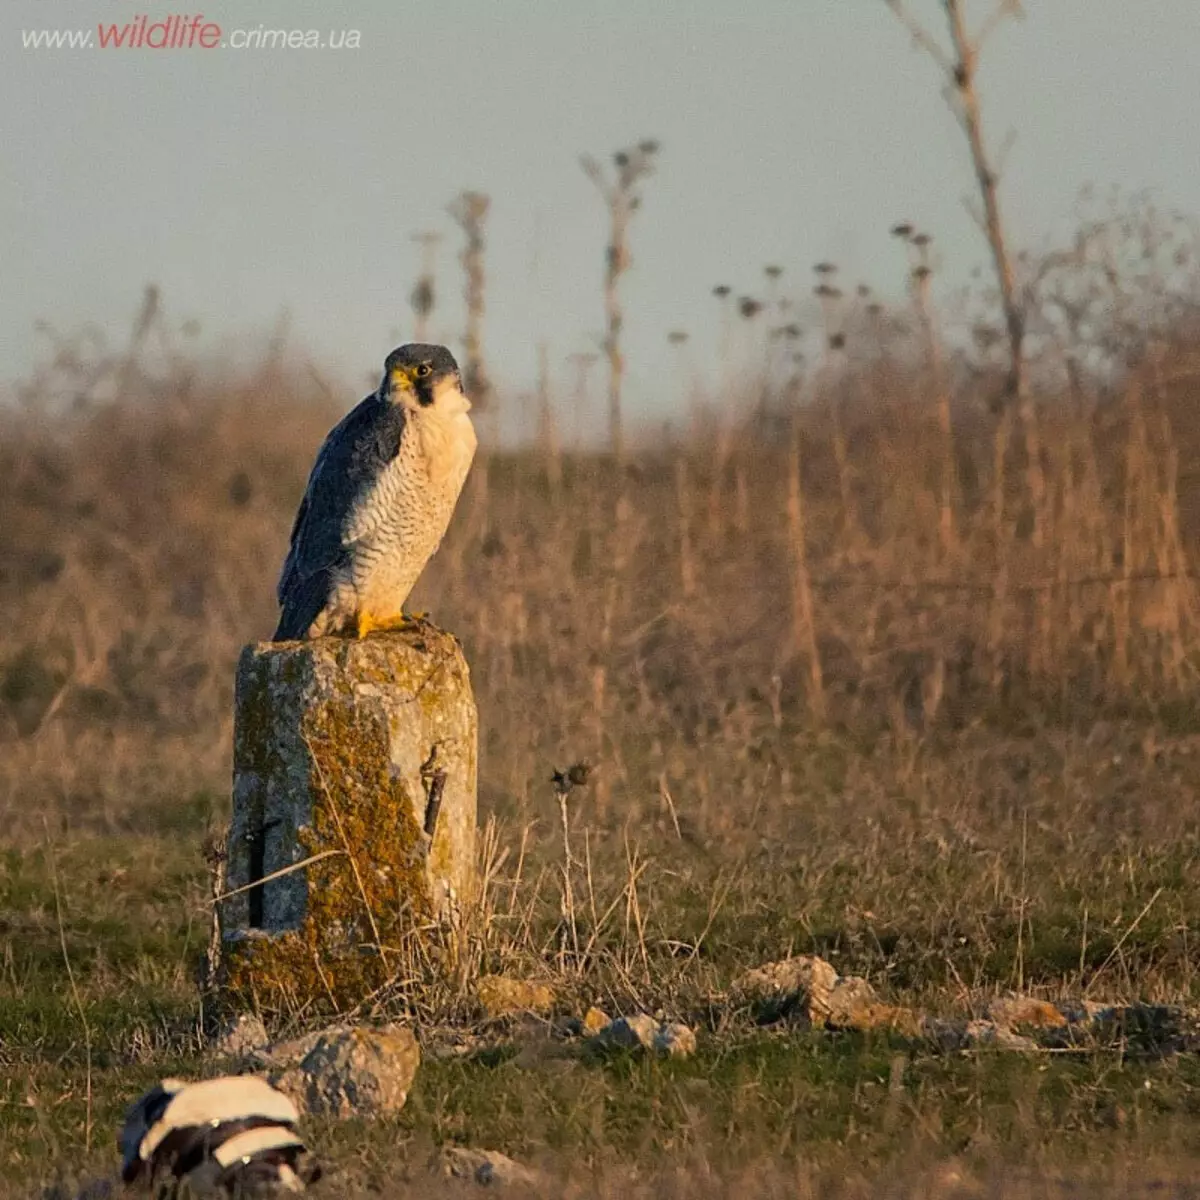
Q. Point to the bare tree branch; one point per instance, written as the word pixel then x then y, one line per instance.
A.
pixel 622 199
pixel 922 37
pixel 1002 12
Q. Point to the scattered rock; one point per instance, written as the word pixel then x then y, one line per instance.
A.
pixel 452 1044
pixel 848 997
pixel 793 986
pixel 293 1052
pixel 500 996
pixel 950 1035
pixel 486 1167
pixel 675 1041
pixel 853 1004
pixel 947 1034
pixel 643 1032
pixel 595 1021
pixel 345 1072
pixel 1025 1012
pixel 1096 1011
pixel 630 1033
pixel 988 1033
pixel 240 1037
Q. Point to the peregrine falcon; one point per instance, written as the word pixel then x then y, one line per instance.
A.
pixel 378 501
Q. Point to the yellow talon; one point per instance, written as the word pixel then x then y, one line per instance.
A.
pixel 366 623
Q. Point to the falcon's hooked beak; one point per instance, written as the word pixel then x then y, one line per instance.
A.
pixel 402 380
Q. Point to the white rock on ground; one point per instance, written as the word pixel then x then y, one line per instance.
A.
pixel 801 984
pixel 241 1037
pixel 630 1033
pixel 347 1072
pixel 675 1040
pixel 642 1032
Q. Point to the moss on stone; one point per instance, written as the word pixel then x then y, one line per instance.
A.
pixel 366 901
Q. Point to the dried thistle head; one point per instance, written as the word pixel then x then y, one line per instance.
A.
pixel 722 290
pixel 837 341
pixel 825 268
pixel 827 292
pixel 772 271
pixel 576 775
pixel 922 239
pixel 422 297
pixel 677 337
pixel 749 308
pixel 902 230
pixel 921 273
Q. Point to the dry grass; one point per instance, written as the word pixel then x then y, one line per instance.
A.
pixel 849 682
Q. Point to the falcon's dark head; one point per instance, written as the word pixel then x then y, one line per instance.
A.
pixel 420 376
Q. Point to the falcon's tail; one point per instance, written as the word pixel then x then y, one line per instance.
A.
pixel 301 606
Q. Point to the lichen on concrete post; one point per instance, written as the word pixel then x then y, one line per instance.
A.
pixel 359 756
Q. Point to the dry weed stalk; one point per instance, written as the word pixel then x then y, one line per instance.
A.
pixel 565 782
pixel 424 293
pixel 80 1011
pixel 547 424
pixel 804 628
pixel 959 66
pixel 622 197
pixel 582 361
pixel 470 211
pixel 832 349
pixel 920 286
pixel 683 498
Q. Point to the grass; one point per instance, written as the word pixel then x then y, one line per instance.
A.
pixel 931 917
pixel 957 757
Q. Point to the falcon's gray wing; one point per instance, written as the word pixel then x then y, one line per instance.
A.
pixel 348 466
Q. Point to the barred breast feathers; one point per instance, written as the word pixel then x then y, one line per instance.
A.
pixel 447 446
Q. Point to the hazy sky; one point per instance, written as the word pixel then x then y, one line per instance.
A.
pixel 250 182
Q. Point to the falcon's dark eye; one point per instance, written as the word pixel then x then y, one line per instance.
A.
pixel 424 371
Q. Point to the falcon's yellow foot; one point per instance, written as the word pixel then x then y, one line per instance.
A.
pixel 367 623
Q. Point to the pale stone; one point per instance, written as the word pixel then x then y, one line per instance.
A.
pixel 630 1033
pixel 854 1004
pixel 850 1002
pixel 1025 1012
pixel 675 1040
pixel 642 1032
pixel 799 985
pixel 241 1036
pixel 988 1033
pixel 374 721
pixel 347 1072
pixel 595 1021
pixel 487 1167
